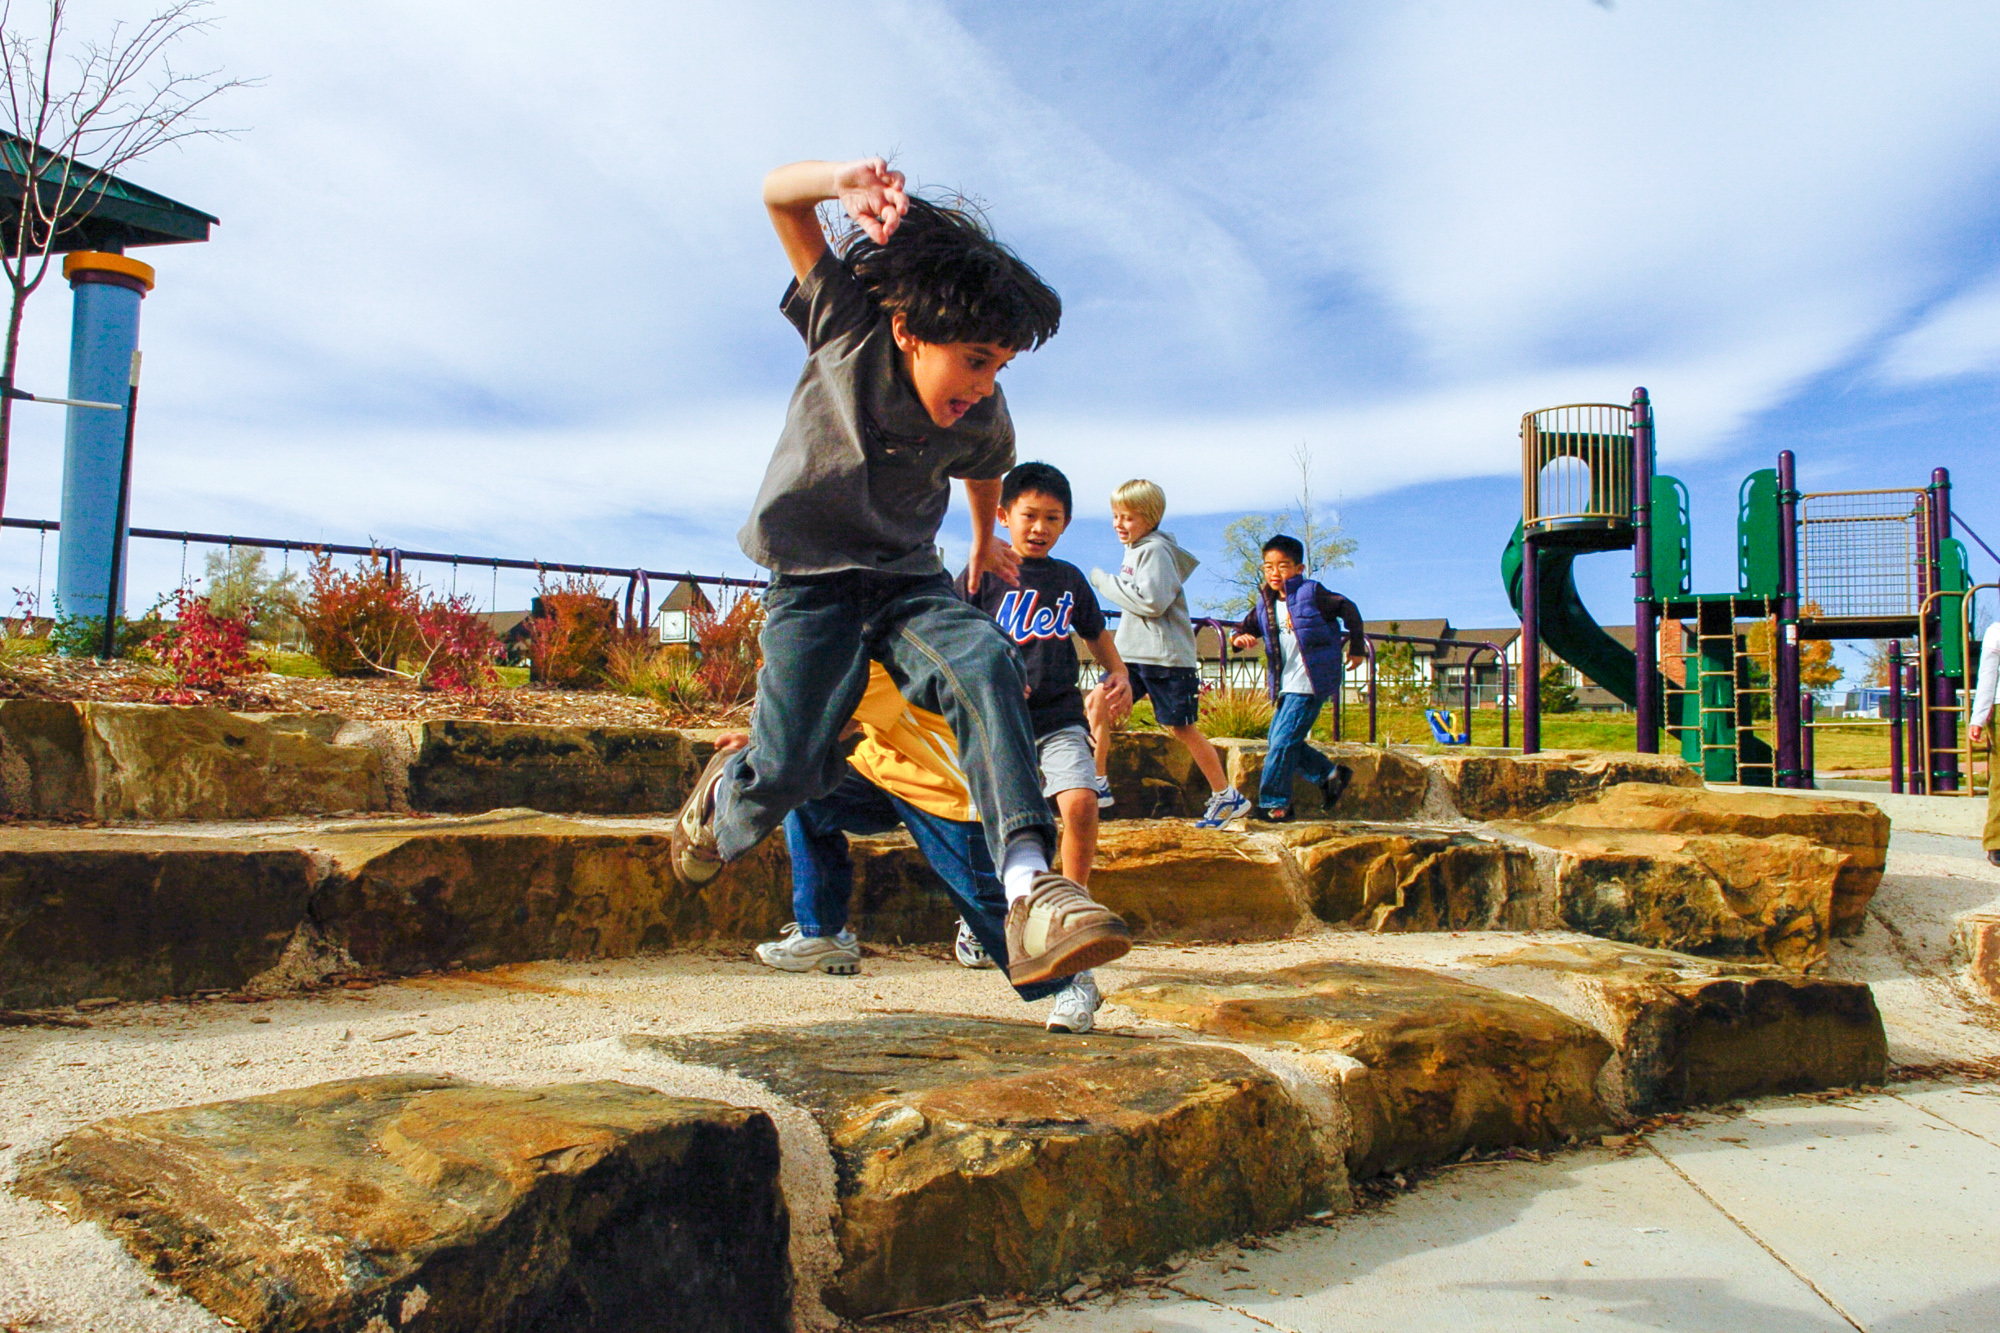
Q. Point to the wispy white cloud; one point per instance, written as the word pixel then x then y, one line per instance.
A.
pixel 502 277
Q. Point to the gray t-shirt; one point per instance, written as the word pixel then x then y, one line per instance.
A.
pixel 861 475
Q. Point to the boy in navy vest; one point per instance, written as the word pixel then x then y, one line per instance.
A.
pixel 1295 621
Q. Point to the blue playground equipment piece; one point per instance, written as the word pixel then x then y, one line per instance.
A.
pixel 1441 732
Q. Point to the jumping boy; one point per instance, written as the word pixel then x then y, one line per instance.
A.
pixel 905 330
pixel 1156 640
pixel 1295 619
pixel 904 772
pixel 1051 601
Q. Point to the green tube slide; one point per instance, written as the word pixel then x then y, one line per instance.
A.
pixel 1566 626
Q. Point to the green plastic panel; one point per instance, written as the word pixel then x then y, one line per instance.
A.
pixel 1673 571
pixel 1954 577
pixel 1757 546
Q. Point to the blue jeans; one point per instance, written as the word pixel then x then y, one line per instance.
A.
pixel 1288 753
pixel 823 873
pixel 945 655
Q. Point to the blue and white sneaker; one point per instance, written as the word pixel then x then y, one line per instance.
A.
pixel 967 948
pixel 1105 800
pixel 1075 1009
pixel 1224 806
pixel 836 955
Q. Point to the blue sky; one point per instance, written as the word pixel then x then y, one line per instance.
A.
pixel 496 282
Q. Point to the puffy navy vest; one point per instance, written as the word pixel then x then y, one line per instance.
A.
pixel 1319 642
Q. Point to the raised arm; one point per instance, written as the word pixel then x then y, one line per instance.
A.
pixel 871 193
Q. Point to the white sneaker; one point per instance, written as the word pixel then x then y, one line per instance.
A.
pixel 836 955
pixel 1105 800
pixel 1076 1005
pixel 1224 806
pixel 967 948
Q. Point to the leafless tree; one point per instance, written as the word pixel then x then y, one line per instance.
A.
pixel 73 112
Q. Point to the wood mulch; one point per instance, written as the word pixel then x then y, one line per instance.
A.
pixel 374 699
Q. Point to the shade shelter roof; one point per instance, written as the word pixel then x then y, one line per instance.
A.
pixel 115 215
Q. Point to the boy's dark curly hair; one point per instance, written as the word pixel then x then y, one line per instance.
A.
pixel 952 282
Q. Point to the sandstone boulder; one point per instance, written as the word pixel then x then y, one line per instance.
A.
pixel 984 1158
pixel 1172 881
pixel 1716 895
pixel 1406 878
pixel 1387 784
pixel 1153 777
pixel 465 766
pixel 86 913
pixel 1690 1030
pixel 1978 939
pixel 153 761
pixel 1856 829
pixel 42 770
pixel 413 895
pixel 426 1203
pixel 1490 786
pixel 1444 1065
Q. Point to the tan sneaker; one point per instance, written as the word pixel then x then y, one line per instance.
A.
pixel 1058 931
pixel 691 840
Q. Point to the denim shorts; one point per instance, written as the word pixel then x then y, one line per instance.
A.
pixel 1175 692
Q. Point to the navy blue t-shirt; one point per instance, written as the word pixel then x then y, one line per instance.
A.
pixel 1053 601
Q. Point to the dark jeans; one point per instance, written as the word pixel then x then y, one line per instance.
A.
pixel 1289 753
pixel 945 655
pixel 823 875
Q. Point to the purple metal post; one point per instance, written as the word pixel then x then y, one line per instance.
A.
pixel 1531 649
pixel 1645 640
pixel 1808 706
pixel 1896 716
pixel 1785 669
pixel 1913 729
pixel 1369 645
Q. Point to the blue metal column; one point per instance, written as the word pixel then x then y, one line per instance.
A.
pixel 104 333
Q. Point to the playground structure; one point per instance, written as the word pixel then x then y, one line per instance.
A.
pixel 1876 564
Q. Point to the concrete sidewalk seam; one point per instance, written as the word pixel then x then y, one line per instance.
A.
pixel 1760 1242
pixel 1233 1309
pixel 1952 1124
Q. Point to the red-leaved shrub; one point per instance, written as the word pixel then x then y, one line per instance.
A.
pixel 726 644
pixel 203 648
pixel 358 623
pixel 570 636
pixel 454 647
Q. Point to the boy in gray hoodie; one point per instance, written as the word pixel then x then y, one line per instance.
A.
pixel 1156 639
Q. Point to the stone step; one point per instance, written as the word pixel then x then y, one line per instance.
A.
pixel 425 1202
pixel 167 762
pixel 975 1157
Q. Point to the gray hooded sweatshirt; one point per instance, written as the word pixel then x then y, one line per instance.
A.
pixel 1155 629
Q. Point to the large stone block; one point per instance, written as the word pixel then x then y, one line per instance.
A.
pixel 1387 784
pixel 1414 878
pixel 472 766
pixel 1715 895
pixel 43 774
pixel 85 914
pixel 1153 777
pixel 425 1203
pixel 1172 881
pixel 1168 879
pixel 983 1158
pixel 412 897
pixel 153 761
pixel 1490 786
pixel 1858 830
pixel 1978 938
pixel 1444 1065
pixel 1690 1031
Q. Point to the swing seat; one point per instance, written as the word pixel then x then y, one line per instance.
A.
pixel 1440 720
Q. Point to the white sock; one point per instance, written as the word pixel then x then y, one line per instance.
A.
pixel 1026 858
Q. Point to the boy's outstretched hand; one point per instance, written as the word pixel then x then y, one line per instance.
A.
pixel 873 196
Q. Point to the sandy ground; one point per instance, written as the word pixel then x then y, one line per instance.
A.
pixel 552 1022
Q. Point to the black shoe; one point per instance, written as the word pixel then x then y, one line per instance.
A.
pixel 1281 815
pixel 1335 784
pixel 1993 857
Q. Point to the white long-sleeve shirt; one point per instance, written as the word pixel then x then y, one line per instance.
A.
pixel 1989 675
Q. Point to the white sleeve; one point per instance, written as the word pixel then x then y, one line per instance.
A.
pixel 1989 675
